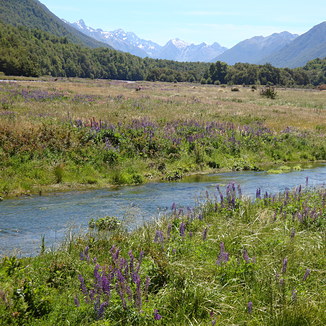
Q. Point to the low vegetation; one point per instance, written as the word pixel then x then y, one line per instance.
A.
pixel 231 261
pixel 72 134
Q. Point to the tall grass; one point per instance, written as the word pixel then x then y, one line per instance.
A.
pixel 231 261
pixel 80 133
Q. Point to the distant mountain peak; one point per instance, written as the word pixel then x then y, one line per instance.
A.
pixel 174 49
pixel 179 43
pixel 254 49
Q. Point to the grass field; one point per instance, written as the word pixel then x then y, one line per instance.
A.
pixel 231 261
pixel 75 133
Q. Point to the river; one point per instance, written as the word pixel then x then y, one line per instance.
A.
pixel 24 221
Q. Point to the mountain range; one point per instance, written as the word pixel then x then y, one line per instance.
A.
pixel 175 49
pixel 256 48
pixel 280 49
pixel 308 46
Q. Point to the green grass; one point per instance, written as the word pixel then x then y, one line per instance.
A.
pixel 267 253
pixel 43 148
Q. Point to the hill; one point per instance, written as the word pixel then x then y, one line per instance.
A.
pixel 33 14
pixel 308 46
pixel 253 50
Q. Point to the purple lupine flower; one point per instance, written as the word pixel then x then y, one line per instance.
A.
pixel 223 256
pixel 157 316
pixel 306 274
pixel 131 263
pixel 307 181
pixel 182 229
pixel 136 280
pixel 294 295
pixel 249 307
pixel 169 231
pixel 205 234
pixel 284 265
pixel 84 254
pixel 76 301
pixel 115 253
pixel 120 288
pixel 82 285
pixel 258 193
pixel 100 310
pixel 246 256
pixel 97 274
pixel 159 237
pixel 106 285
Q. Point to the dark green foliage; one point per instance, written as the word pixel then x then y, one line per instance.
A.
pixel 33 14
pixel 108 223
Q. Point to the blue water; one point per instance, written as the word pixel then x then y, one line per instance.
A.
pixel 24 221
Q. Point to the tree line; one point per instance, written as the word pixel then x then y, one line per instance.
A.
pixel 32 52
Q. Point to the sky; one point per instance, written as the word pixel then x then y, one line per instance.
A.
pixel 194 21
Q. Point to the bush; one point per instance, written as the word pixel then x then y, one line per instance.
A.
pixel 268 92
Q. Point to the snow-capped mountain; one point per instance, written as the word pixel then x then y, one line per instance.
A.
pixel 175 49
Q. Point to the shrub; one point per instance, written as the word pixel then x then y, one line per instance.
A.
pixel 268 92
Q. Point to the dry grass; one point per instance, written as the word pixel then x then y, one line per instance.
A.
pixel 118 100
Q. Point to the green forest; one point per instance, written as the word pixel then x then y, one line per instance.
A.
pixel 32 52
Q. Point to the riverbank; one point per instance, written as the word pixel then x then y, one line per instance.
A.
pixel 229 261
pixel 71 134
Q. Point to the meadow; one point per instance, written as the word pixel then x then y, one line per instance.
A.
pixel 231 260
pixel 76 133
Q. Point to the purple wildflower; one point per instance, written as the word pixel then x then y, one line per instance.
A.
pixel 182 229
pixel 82 285
pixel 246 256
pixel 249 307
pixel 76 300
pixel 284 265
pixel 159 237
pixel 157 316
pixel 223 256
pixel 258 193
pixel 306 274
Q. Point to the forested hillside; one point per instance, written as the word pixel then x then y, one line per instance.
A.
pixel 32 52
pixel 33 14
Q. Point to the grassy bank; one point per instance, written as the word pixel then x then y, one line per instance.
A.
pixel 69 134
pixel 232 261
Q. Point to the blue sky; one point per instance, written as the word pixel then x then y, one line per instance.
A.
pixel 194 21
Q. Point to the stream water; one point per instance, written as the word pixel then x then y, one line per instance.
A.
pixel 24 221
